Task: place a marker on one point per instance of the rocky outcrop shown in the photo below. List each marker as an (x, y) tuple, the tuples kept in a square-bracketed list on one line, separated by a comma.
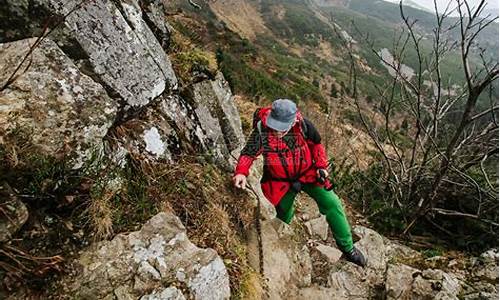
[(404, 282), (392, 280), (207, 122), (483, 281), (394, 271), (384, 277), (112, 42), (214, 104), (114, 50), (287, 263), (216, 95), (52, 102), (150, 264), (102, 81)]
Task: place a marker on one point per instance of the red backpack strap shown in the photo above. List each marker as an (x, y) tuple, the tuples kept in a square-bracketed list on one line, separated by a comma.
[(303, 125), (256, 117)]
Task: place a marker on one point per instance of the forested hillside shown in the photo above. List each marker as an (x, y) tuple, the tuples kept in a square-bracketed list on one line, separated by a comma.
[(329, 54)]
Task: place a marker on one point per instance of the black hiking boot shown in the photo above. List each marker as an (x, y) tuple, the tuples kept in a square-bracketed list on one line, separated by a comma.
[(355, 256)]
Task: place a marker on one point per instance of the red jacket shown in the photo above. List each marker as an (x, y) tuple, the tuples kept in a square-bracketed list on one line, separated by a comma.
[(295, 157)]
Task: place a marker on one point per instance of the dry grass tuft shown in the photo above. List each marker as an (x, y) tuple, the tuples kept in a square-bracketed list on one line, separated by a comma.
[(214, 213), (188, 58), (251, 286), (100, 213)]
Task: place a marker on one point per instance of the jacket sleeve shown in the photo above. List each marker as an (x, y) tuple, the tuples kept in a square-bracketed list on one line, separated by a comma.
[(252, 149), (317, 149)]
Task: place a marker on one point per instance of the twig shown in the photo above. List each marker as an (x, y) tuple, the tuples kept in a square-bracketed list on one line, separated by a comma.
[(194, 4), (37, 42)]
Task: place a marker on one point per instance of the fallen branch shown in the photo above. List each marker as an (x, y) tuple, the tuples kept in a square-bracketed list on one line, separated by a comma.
[(194, 4), (447, 212)]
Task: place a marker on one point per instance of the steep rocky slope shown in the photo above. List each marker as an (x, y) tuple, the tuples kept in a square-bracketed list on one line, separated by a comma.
[(97, 83)]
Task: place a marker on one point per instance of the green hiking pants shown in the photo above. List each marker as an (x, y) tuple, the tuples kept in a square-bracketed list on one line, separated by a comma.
[(329, 205)]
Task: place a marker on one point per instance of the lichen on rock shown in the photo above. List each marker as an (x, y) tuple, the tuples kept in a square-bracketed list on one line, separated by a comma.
[(112, 37), (66, 112), (151, 257)]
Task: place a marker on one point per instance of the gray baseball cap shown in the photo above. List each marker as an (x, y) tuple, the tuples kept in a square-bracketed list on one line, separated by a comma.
[(282, 116)]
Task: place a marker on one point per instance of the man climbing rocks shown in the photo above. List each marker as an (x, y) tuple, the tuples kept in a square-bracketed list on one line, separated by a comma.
[(294, 161)]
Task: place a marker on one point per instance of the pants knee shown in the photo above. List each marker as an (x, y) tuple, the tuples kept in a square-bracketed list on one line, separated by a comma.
[(332, 207), (336, 217)]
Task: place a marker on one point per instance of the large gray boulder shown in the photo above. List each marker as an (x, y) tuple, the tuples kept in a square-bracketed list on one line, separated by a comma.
[(287, 263), (121, 49), (171, 126), (154, 13), (353, 282), (63, 111), (111, 40), (216, 95), (214, 104), (149, 263), (121, 45)]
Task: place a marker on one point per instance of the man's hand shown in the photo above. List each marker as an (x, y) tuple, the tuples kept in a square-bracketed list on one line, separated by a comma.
[(322, 175), (240, 181)]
